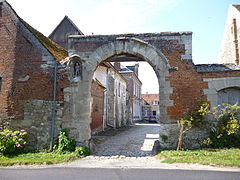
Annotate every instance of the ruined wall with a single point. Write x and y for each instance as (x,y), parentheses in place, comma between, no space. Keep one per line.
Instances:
(177,49)
(180,84)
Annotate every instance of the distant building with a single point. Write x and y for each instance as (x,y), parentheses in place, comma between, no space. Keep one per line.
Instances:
(231,38)
(65,28)
(151,104)
(134,87)
(146,110)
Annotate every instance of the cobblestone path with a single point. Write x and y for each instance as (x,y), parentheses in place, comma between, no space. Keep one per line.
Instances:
(136,141)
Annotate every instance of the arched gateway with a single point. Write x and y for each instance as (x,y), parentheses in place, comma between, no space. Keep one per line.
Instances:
(91,51)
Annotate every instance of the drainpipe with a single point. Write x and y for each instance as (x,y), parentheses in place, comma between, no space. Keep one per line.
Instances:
(104,108)
(54,105)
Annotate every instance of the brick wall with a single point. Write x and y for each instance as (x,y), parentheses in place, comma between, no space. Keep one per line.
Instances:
(150,98)
(187,84)
(26,68)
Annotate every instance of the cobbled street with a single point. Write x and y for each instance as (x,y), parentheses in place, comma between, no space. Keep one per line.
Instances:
(135,141)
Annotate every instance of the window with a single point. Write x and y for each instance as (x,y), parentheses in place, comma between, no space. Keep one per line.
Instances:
(155,102)
(146,113)
(154,113)
(119,89)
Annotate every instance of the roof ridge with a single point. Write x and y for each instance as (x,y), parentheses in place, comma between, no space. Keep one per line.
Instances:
(74,25)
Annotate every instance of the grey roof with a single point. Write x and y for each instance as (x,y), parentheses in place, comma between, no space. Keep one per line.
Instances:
(132,68)
(125,69)
(216,67)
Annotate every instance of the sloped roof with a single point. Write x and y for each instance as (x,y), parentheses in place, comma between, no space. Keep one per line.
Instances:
(58,52)
(125,69)
(237,6)
(66,18)
(132,68)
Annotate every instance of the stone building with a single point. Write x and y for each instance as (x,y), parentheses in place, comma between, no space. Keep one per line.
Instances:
(115,96)
(152,101)
(31,94)
(44,88)
(134,87)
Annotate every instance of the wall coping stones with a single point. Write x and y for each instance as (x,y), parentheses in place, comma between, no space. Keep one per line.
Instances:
(130,35)
(216,67)
(216,84)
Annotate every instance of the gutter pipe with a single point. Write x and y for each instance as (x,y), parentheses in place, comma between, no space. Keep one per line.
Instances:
(54,106)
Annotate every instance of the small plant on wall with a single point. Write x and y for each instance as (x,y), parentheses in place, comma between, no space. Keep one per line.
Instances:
(192,119)
(66,145)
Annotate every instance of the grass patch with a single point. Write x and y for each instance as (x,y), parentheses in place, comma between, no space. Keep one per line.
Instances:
(37,158)
(229,157)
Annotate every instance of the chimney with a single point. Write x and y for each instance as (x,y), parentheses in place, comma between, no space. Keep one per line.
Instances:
(136,69)
(117,66)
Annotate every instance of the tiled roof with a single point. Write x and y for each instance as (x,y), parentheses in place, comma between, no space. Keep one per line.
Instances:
(216,67)
(58,52)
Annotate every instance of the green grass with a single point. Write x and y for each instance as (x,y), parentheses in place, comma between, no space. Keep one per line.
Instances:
(37,158)
(227,157)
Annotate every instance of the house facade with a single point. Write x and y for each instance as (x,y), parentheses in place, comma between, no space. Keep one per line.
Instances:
(152,101)
(31,92)
(134,87)
(115,96)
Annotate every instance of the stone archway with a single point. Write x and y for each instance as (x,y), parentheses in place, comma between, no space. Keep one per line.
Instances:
(81,108)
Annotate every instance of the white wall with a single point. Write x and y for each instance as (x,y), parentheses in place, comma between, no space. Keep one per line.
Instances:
(227,53)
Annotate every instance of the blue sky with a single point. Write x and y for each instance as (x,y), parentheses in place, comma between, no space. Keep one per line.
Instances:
(205,18)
